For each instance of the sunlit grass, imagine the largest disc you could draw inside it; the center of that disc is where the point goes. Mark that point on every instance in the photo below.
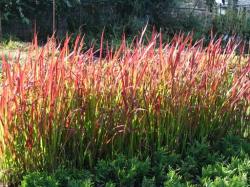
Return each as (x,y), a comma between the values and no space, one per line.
(62,106)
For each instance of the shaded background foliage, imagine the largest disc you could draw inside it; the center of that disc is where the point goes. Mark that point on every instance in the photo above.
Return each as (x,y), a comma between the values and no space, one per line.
(87,16)
(21,18)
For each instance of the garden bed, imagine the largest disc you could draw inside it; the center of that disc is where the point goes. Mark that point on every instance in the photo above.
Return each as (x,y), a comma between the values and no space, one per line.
(62,107)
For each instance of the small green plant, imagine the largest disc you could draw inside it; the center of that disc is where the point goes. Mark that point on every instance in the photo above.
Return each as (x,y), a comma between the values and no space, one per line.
(37,179)
(196,156)
(110,184)
(80,183)
(174,180)
(148,182)
(70,176)
(234,173)
(233,146)
(161,161)
(105,172)
(235,181)
(125,172)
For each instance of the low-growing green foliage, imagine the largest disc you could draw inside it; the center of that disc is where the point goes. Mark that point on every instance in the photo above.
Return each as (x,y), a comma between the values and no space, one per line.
(233,146)
(198,155)
(124,172)
(72,177)
(80,183)
(222,170)
(148,182)
(235,173)
(39,180)
(161,161)
(173,179)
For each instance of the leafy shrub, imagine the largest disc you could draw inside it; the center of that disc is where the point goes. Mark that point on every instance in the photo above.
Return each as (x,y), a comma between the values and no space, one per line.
(233,146)
(173,179)
(148,182)
(80,183)
(125,172)
(161,161)
(37,179)
(235,173)
(72,177)
(105,172)
(163,169)
(110,184)
(217,170)
(196,156)
(235,181)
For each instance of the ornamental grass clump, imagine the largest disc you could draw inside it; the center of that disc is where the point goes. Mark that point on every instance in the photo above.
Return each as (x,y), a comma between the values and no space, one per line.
(63,106)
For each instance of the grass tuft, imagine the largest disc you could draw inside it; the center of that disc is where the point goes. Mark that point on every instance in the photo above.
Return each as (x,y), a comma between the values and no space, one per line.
(67,107)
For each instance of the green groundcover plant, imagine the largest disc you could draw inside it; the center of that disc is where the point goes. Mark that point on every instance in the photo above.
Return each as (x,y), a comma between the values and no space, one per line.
(227,164)
(66,106)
